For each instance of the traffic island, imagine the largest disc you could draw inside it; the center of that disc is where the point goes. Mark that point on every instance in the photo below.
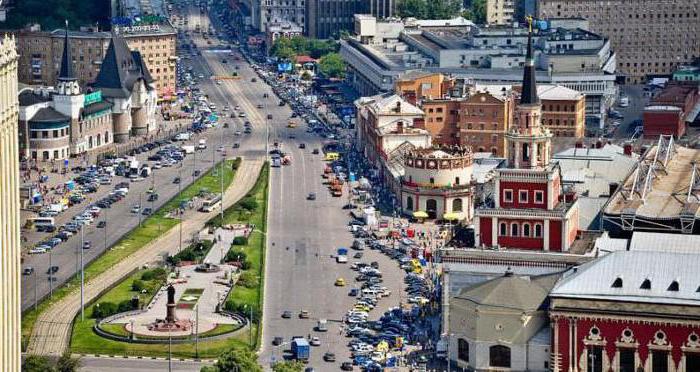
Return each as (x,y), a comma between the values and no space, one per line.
(151,228)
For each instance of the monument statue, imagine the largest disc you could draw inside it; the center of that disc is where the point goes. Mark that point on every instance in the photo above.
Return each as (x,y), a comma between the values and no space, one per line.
(170,315)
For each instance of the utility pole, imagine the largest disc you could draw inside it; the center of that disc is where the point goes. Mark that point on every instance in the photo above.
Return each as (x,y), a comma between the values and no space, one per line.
(82,276)
(170,351)
(179,197)
(196,334)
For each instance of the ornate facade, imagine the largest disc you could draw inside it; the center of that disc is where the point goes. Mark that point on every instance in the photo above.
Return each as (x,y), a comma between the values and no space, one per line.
(438,182)
(628,312)
(9,210)
(530,209)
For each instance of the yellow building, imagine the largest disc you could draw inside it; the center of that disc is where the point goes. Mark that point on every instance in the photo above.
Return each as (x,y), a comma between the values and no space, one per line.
(9,210)
(500,12)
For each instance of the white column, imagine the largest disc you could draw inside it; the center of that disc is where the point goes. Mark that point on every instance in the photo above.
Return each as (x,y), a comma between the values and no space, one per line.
(497,193)
(545,232)
(494,231)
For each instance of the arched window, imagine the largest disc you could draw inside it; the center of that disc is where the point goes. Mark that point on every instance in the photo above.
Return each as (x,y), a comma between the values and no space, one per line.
(646,284)
(409,203)
(674,286)
(463,350)
(538,230)
(499,356)
(526,230)
(457,205)
(504,229)
(514,229)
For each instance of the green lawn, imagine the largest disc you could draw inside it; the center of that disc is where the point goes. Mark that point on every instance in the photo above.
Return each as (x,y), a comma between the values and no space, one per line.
(255,249)
(151,228)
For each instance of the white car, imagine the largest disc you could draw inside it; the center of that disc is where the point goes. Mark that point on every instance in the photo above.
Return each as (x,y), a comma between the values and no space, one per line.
(37,250)
(315,341)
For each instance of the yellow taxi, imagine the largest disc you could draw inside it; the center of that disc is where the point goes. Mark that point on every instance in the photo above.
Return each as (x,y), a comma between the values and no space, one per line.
(340,282)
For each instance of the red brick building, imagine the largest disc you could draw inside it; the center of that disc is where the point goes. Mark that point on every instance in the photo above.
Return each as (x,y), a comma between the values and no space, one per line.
(669,112)
(530,210)
(628,311)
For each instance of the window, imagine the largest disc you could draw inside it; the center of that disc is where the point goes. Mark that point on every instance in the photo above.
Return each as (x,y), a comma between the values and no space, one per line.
(463,350)
(539,197)
(538,230)
(409,203)
(522,196)
(692,361)
(659,361)
(673,287)
(526,230)
(55,133)
(627,360)
(514,228)
(457,205)
(646,284)
(432,180)
(44,134)
(504,229)
(456,180)
(34,134)
(617,283)
(499,356)
(595,359)
(508,195)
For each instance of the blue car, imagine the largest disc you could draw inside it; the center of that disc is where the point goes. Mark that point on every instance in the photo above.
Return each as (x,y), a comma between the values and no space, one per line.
(353,292)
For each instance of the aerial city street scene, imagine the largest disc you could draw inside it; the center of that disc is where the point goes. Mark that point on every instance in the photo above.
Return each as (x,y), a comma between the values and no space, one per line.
(350,185)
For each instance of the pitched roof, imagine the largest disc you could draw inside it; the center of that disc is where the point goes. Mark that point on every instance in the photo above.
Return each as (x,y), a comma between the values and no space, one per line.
(48,114)
(66,73)
(595,279)
(121,69)
(529,93)
(392,104)
(511,291)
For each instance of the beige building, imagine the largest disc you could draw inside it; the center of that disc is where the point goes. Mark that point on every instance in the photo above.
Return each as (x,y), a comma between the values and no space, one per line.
(40,54)
(9,210)
(500,12)
(650,37)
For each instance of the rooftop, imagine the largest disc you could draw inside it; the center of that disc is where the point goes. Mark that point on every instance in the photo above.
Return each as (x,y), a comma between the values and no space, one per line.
(647,277)
(665,198)
(28,97)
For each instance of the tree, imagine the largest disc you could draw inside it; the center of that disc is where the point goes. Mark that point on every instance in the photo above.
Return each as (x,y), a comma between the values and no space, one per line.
(137,285)
(66,363)
(35,363)
(249,203)
(332,65)
(412,8)
(288,366)
(478,11)
(237,359)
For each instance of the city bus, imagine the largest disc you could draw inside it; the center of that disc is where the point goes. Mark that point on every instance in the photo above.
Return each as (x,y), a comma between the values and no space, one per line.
(211,205)
(42,221)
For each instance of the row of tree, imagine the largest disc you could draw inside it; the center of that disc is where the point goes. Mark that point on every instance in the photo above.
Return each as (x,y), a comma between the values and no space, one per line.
(240,359)
(442,9)
(51,14)
(36,363)
(326,51)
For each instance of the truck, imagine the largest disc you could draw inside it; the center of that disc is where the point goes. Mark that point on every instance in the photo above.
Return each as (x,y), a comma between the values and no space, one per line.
(300,349)
(188,149)
(342,256)
(133,169)
(202,144)
(276,162)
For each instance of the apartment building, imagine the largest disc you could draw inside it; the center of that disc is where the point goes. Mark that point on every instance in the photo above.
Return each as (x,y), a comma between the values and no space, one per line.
(650,37)
(273,12)
(484,120)
(40,53)
(327,18)
(500,12)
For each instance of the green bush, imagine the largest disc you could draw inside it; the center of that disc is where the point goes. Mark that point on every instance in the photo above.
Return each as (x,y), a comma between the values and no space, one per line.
(124,306)
(249,203)
(138,285)
(243,309)
(158,273)
(240,240)
(248,279)
(236,254)
(104,309)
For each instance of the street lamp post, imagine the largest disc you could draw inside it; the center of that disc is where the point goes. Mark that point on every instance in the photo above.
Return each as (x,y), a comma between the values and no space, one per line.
(82,276)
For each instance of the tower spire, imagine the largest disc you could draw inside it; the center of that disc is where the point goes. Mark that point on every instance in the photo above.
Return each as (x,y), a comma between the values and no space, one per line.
(529,93)
(66,73)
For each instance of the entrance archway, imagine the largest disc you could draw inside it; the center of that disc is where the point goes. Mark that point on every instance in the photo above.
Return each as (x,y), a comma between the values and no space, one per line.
(431,208)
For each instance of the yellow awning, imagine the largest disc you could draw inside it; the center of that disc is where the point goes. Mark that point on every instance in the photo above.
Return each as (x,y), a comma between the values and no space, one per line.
(420,214)
(452,216)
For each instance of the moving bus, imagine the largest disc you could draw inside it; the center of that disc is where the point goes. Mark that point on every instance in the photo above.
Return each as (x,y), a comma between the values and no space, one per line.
(212,204)
(42,221)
